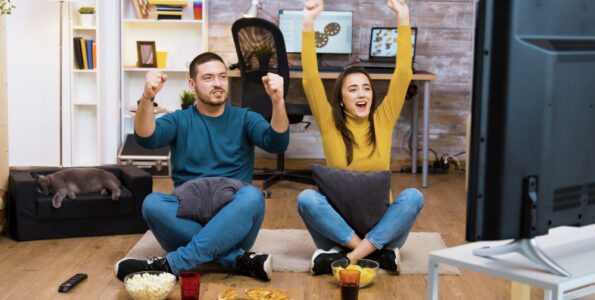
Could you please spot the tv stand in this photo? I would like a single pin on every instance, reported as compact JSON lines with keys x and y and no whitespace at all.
{"x":571,"y":247}
{"x":529,"y":249}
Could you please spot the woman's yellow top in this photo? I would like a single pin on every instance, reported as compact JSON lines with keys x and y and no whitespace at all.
{"x":385,"y":116}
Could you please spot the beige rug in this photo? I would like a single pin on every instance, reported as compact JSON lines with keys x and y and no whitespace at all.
{"x":292,"y":250}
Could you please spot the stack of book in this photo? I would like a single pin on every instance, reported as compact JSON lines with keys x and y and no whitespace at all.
{"x":85,"y":53}
{"x":166,"y":9}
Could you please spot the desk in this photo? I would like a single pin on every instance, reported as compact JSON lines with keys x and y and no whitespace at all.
{"x":425,"y":78}
{"x":570,"y":247}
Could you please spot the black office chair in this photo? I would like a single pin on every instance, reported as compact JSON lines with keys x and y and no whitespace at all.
{"x":261,"y":49}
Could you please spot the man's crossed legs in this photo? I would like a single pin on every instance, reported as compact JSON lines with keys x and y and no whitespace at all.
{"x":225,"y":238}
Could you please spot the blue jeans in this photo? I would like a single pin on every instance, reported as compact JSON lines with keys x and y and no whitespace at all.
{"x":230,"y":233}
{"x":329,"y":229}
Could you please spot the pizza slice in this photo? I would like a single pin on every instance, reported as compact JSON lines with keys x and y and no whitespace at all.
{"x":266,"y":294}
{"x":258,"y":294}
{"x":228,"y":294}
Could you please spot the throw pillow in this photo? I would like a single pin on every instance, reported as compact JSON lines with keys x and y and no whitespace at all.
{"x":360,"y":198}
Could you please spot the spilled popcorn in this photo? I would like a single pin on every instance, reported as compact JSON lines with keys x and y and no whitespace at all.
{"x":149,"y":286}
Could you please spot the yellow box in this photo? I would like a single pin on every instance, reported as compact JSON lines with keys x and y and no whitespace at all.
{"x":161,"y":59}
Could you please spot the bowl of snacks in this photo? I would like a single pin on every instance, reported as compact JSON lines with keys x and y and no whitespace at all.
{"x":149,"y":285}
{"x":368,"y":269}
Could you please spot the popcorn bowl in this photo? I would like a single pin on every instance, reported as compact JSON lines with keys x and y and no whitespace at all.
{"x":368,"y":270}
{"x":149,"y":285}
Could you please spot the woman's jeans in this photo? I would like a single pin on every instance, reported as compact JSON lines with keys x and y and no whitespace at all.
{"x":230,"y":233}
{"x":329,"y":229}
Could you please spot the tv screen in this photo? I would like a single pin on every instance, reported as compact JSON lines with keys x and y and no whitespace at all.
{"x":532,"y":160}
{"x":333,"y":31}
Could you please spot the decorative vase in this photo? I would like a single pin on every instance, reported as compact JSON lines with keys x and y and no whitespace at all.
{"x":87,"y":20}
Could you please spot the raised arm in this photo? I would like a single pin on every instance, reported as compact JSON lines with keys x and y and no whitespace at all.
{"x":273,"y":84}
{"x":400,"y":8}
{"x":389,"y":110}
{"x":312,"y":8}
{"x":151,"y":133}
{"x":313,"y":87}
{"x":144,"y":120}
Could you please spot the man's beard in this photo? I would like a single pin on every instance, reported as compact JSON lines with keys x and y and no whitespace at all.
{"x":209,"y":102}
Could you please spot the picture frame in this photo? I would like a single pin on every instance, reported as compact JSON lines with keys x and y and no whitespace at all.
{"x":146,"y":54}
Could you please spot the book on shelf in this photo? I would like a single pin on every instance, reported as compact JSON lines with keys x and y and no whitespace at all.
{"x":78,"y":55}
{"x":142,"y":8}
{"x":169,"y":13}
{"x":168,"y":2}
{"x":84,"y":53}
{"x":169,"y":17}
{"x":90,"y":54}
{"x":94,"y":55}
{"x":155,"y":13}
{"x":168,"y":8}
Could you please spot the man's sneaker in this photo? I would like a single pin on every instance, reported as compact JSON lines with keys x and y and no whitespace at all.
{"x":388,"y":259}
{"x":255,"y":265}
{"x":322,"y":260}
{"x":127,"y":266}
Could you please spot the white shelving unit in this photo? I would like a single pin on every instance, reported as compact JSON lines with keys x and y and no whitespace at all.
{"x":182,"y":40}
{"x":85,"y":102}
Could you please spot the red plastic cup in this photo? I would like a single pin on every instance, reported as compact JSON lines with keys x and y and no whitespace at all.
{"x":349,"y":280}
{"x":190,"y":285}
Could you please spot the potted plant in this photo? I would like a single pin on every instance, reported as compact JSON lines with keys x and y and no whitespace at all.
{"x":264,"y":52}
{"x":87,"y":15}
{"x":6,"y":7}
{"x":187,"y":99}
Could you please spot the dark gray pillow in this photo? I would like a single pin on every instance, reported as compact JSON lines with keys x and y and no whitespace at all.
{"x":360,"y":198}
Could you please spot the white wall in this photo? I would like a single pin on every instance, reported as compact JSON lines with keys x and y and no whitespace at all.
{"x":33,"y":34}
{"x":33,"y":79}
{"x":109,"y":36}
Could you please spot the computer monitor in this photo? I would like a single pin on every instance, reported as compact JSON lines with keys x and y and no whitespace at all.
{"x":532,"y":164}
{"x":333,"y":31}
{"x":383,"y":43}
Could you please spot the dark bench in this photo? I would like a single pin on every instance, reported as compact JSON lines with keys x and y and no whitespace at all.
{"x":31,"y":215}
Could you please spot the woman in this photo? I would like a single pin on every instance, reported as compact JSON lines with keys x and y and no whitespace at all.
{"x":356,"y":135}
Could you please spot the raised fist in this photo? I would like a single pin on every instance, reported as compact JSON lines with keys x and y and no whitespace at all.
{"x":154,"y":81}
{"x":273,"y":84}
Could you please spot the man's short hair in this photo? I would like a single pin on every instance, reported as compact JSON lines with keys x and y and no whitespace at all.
{"x":201,"y":59}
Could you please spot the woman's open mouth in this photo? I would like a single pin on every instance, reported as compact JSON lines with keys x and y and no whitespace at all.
{"x":361,"y":105}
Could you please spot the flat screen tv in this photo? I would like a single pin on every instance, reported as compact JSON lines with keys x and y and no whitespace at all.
{"x":532,"y":151}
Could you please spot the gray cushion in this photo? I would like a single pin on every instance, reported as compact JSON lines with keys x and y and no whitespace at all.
{"x":360,"y":198}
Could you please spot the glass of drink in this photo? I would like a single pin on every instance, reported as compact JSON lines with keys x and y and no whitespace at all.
{"x":349,"y":280}
{"x":190,"y":285}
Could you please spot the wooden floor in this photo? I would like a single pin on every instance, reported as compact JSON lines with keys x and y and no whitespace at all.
{"x":34,"y":270}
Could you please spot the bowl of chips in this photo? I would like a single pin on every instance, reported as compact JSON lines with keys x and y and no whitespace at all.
{"x":149,"y":285}
{"x":368,"y":269}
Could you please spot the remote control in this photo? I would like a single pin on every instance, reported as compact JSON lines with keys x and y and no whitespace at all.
{"x":70,"y":283}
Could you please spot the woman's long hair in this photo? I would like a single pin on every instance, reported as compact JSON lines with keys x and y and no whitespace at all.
{"x":339,"y":113}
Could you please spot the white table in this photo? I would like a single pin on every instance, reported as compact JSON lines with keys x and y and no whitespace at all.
{"x":572,"y":248}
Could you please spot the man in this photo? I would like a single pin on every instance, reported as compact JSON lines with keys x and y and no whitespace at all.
{"x":210,"y":139}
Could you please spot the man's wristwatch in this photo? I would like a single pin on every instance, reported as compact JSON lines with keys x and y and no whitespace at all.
{"x":143,"y":97}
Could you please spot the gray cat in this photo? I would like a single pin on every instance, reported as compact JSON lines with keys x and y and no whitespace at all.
{"x":69,"y":182}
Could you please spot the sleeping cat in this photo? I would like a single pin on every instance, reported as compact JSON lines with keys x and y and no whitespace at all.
{"x":72,"y":181}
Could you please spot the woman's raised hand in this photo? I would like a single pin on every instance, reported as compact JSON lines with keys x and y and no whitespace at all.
{"x":312,"y":9}
{"x":401,"y":9}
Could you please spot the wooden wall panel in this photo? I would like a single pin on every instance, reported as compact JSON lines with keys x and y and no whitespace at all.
{"x":444,"y":47}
